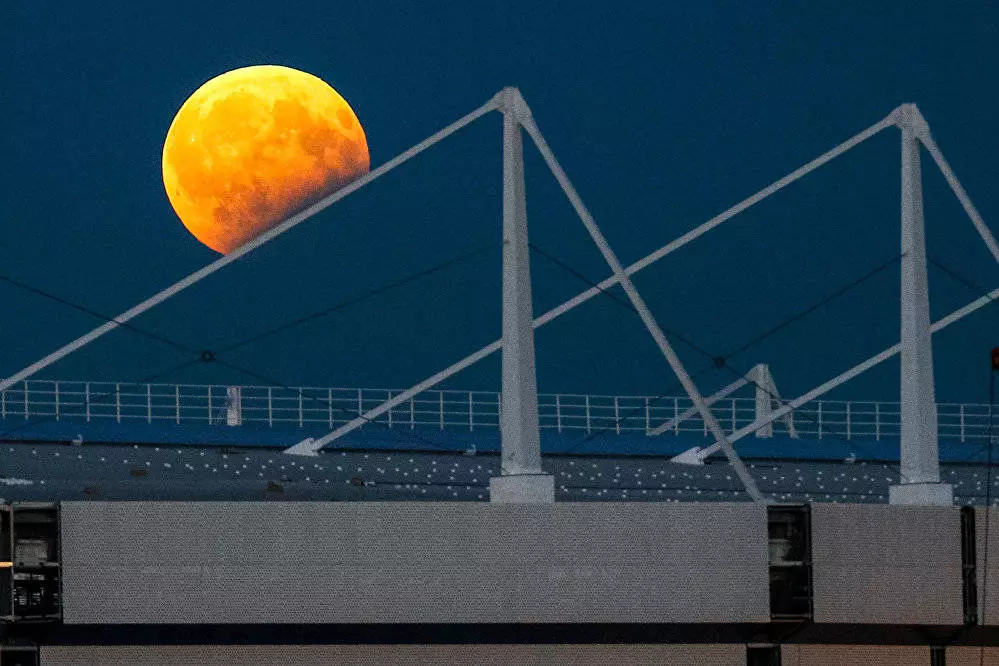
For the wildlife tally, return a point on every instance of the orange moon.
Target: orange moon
(255, 145)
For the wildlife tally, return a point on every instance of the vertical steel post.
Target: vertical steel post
(233, 406)
(558, 413)
(522, 478)
(764, 398)
(920, 464)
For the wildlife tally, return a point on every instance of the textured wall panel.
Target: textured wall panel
(390, 655)
(887, 564)
(855, 655)
(988, 570)
(972, 656)
(192, 562)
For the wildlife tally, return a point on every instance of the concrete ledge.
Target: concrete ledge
(523, 488)
(922, 494)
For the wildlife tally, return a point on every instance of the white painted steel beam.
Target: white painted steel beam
(246, 248)
(522, 479)
(764, 385)
(643, 311)
(584, 296)
(920, 462)
(962, 196)
(690, 411)
(856, 370)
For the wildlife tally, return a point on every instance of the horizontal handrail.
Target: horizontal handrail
(453, 409)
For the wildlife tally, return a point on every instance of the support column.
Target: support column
(920, 462)
(764, 399)
(522, 478)
(233, 406)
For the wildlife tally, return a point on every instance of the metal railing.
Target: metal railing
(38, 400)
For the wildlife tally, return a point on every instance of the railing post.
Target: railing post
(3, 404)
(300, 423)
(412, 413)
(648, 421)
(270, 406)
(56, 400)
(733, 415)
(149, 403)
(617, 416)
(117, 402)
(587, 415)
(389, 411)
(877, 421)
(820, 420)
(209, 404)
(176, 401)
(471, 418)
(440, 395)
(676, 415)
(329, 401)
(848, 419)
(558, 413)
(26, 416)
(360, 401)
(962, 420)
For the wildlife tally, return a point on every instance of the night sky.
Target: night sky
(663, 115)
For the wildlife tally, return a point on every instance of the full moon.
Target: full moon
(255, 145)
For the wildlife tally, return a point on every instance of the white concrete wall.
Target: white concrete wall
(887, 564)
(318, 562)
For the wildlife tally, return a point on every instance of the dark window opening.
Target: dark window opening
(790, 550)
(969, 575)
(35, 566)
(768, 655)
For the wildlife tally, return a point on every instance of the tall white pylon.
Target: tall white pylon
(522, 479)
(920, 463)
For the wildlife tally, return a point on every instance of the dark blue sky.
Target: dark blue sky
(663, 115)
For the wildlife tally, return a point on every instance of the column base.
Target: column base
(522, 488)
(922, 494)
